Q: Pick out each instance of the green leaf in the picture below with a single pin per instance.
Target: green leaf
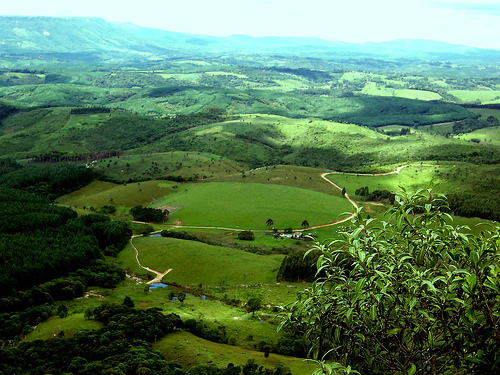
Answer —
(474, 258)
(393, 331)
(413, 369)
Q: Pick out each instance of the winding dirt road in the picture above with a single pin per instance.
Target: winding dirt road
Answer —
(159, 275)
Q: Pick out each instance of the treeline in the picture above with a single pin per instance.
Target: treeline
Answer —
(7, 110)
(89, 110)
(314, 75)
(376, 195)
(469, 125)
(57, 157)
(123, 346)
(49, 181)
(149, 214)
(469, 205)
(40, 241)
(296, 267)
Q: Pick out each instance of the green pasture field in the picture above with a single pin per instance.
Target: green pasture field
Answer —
(393, 127)
(13, 78)
(190, 77)
(99, 193)
(484, 113)
(439, 129)
(196, 263)
(412, 178)
(68, 95)
(219, 73)
(157, 165)
(290, 84)
(189, 350)
(248, 205)
(489, 136)
(372, 89)
(70, 325)
(485, 97)
(238, 321)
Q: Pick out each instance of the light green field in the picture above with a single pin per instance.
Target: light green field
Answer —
(490, 136)
(99, 193)
(290, 84)
(195, 262)
(192, 77)
(372, 89)
(248, 205)
(157, 165)
(486, 112)
(412, 178)
(226, 74)
(189, 350)
(444, 128)
(485, 97)
(70, 325)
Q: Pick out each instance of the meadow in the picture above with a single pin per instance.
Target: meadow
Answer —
(195, 263)
(472, 96)
(248, 205)
(192, 350)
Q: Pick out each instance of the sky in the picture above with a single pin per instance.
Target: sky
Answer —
(471, 23)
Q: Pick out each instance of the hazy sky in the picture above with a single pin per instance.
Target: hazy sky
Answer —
(474, 23)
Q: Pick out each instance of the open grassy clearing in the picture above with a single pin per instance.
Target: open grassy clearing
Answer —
(100, 193)
(70, 325)
(207, 265)
(439, 129)
(469, 96)
(484, 113)
(488, 136)
(371, 88)
(238, 321)
(189, 350)
(197, 165)
(248, 205)
(411, 178)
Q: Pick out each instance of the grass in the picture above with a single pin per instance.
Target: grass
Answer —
(207, 265)
(488, 136)
(371, 88)
(99, 193)
(238, 321)
(189, 350)
(413, 178)
(70, 325)
(157, 165)
(484, 97)
(249, 205)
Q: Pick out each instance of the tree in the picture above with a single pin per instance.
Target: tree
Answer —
(412, 294)
(253, 304)
(246, 235)
(127, 301)
(181, 297)
(304, 224)
(269, 222)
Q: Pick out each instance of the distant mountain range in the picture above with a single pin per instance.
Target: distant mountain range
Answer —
(97, 37)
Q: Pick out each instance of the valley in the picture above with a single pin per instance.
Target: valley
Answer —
(166, 210)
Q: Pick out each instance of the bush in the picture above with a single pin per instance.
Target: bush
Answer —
(246, 235)
(412, 294)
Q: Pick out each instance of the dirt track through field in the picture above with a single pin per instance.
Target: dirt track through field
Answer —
(159, 275)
